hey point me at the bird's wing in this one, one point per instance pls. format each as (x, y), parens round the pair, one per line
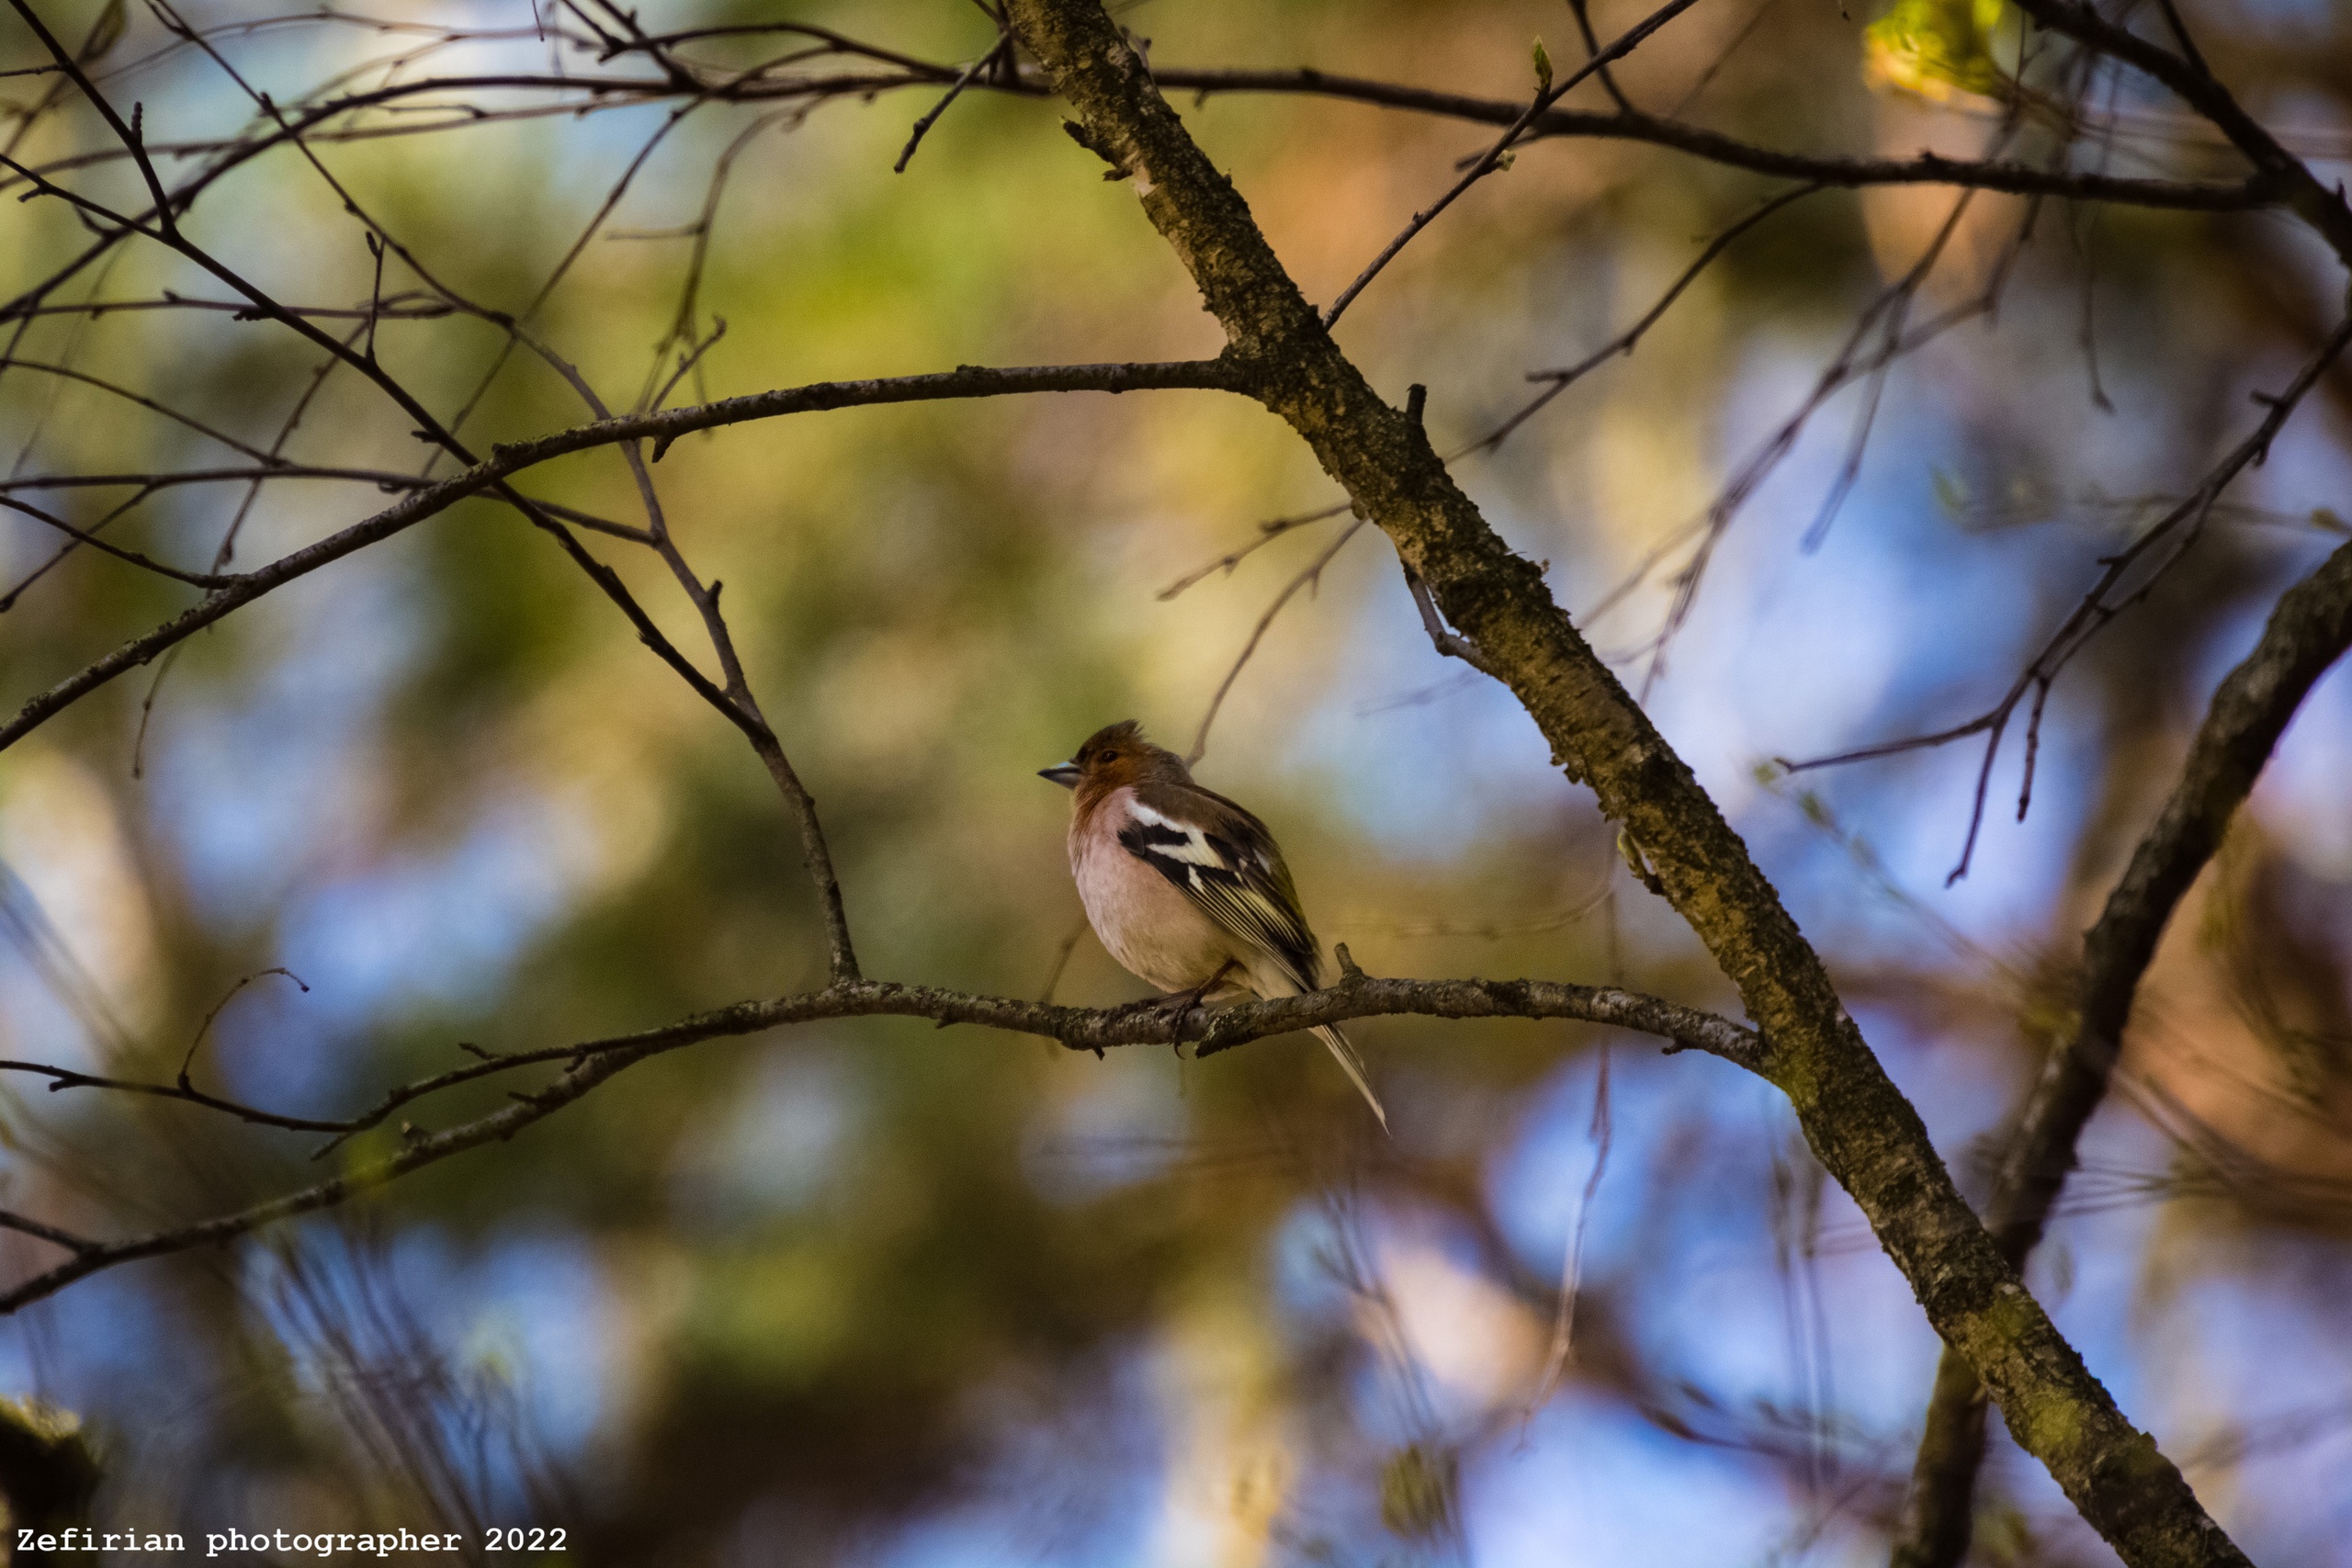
(1223, 859)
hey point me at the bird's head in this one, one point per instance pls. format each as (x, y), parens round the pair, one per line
(1115, 755)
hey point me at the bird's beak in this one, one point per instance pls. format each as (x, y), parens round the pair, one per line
(1062, 773)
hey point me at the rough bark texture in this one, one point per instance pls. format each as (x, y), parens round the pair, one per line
(2306, 634)
(1858, 1125)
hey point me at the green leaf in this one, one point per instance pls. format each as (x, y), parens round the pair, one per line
(1951, 493)
(1417, 1490)
(1543, 67)
(1937, 49)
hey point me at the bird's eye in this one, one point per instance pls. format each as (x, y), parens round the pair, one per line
(1106, 756)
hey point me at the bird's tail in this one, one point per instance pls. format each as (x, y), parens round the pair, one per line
(1351, 1064)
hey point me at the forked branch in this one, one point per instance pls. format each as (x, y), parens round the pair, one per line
(1860, 1126)
(661, 427)
(2307, 633)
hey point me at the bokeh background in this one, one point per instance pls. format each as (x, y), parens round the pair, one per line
(875, 1292)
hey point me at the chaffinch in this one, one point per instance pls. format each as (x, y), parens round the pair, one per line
(1185, 888)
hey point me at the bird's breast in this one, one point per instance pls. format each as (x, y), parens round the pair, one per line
(1144, 922)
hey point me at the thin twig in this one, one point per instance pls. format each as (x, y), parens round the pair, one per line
(1493, 158)
(85, 536)
(737, 702)
(661, 427)
(1312, 573)
(592, 1063)
(1002, 49)
(2176, 532)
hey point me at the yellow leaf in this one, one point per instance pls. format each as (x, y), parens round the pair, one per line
(1937, 49)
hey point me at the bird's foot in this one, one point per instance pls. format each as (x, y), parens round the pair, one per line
(1175, 1007)
(1172, 1010)
(1180, 1005)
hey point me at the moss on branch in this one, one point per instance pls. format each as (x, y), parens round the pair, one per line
(1861, 1127)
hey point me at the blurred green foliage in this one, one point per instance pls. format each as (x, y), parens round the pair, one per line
(799, 1293)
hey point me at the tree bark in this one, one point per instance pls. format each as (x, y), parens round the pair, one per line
(1858, 1125)
(2306, 634)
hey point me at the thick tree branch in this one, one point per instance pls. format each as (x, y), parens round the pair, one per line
(1860, 1126)
(2307, 633)
(591, 1063)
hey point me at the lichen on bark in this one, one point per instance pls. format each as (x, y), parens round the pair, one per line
(1865, 1133)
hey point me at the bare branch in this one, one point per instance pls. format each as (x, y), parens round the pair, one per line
(1870, 348)
(662, 427)
(2281, 176)
(997, 53)
(1268, 532)
(1310, 575)
(1857, 1122)
(593, 1061)
(737, 702)
(391, 307)
(1995, 175)
(66, 372)
(180, 1089)
(84, 537)
(81, 1246)
(2307, 633)
(1558, 382)
(1495, 156)
(2176, 532)
(129, 135)
(1624, 343)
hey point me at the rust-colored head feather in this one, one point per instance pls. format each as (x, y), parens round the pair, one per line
(1115, 756)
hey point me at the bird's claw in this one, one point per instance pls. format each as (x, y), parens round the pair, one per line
(1178, 1006)
(1181, 1006)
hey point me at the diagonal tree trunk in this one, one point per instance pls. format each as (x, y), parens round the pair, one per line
(1861, 1127)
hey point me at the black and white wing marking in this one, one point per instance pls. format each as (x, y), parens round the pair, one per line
(1234, 876)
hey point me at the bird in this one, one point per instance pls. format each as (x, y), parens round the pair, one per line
(1185, 888)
